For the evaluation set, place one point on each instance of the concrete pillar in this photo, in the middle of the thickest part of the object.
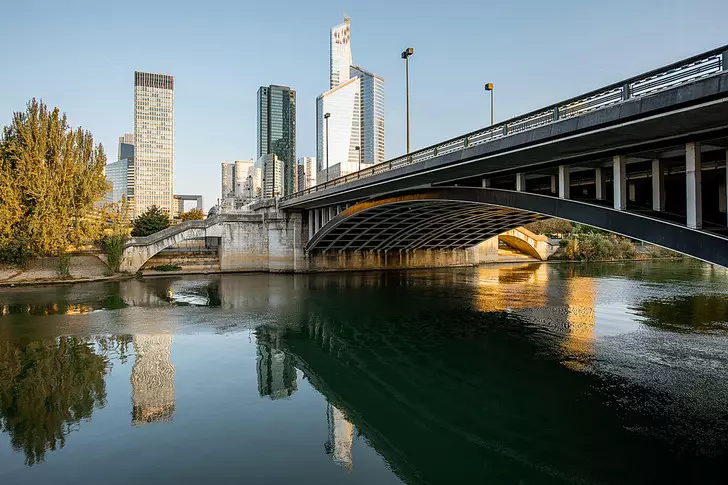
(564, 182)
(658, 185)
(332, 212)
(521, 182)
(311, 226)
(554, 188)
(693, 186)
(317, 219)
(600, 183)
(485, 183)
(619, 182)
(725, 58)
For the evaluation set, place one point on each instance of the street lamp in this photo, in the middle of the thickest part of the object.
(358, 149)
(406, 55)
(489, 87)
(326, 119)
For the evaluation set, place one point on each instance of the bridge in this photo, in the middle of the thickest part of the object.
(644, 157)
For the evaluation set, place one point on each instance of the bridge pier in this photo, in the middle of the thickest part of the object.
(693, 187)
(564, 182)
(658, 185)
(600, 184)
(619, 182)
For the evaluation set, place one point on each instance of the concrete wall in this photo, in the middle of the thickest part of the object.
(529, 243)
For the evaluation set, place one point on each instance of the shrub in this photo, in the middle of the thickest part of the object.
(64, 265)
(113, 246)
(167, 267)
(15, 252)
(192, 215)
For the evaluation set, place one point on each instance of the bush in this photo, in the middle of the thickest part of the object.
(550, 227)
(167, 267)
(113, 246)
(64, 265)
(151, 221)
(15, 252)
(592, 246)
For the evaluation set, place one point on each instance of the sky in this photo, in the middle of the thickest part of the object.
(81, 56)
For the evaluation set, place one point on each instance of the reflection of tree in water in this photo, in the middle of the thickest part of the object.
(687, 313)
(46, 389)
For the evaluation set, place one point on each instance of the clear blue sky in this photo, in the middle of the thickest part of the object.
(81, 56)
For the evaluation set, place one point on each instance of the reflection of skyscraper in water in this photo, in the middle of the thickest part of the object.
(276, 372)
(152, 379)
(341, 436)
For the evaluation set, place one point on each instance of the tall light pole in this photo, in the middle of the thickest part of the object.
(326, 119)
(489, 87)
(406, 55)
(358, 149)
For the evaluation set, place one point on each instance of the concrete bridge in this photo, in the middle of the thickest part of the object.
(645, 158)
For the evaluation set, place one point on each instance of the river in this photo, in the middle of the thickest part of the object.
(521, 373)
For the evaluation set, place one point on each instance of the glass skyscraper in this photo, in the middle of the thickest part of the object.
(355, 102)
(153, 142)
(277, 130)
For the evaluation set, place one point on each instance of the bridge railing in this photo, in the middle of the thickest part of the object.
(682, 72)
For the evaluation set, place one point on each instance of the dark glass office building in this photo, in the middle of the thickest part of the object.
(277, 130)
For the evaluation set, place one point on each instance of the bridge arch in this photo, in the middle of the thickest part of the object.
(461, 217)
(139, 250)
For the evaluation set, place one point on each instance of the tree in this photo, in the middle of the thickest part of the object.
(151, 221)
(51, 180)
(192, 215)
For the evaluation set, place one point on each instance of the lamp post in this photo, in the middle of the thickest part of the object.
(326, 119)
(358, 150)
(406, 55)
(489, 87)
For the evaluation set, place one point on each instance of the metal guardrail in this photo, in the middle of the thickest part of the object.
(682, 72)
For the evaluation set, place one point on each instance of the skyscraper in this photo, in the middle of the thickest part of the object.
(339, 154)
(126, 146)
(277, 130)
(306, 173)
(153, 142)
(372, 115)
(273, 177)
(340, 54)
(355, 102)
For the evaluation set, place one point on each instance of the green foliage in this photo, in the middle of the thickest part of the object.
(113, 246)
(167, 267)
(151, 221)
(550, 227)
(192, 215)
(596, 245)
(51, 179)
(64, 265)
(15, 251)
(47, 388)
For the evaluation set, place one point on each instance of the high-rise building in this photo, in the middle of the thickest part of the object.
(126, 146)
(277, 130)
(340, 54)
(355, 104)
(372, 115)
(241, 182)
(306, 173)
(120, 175)
(273, 175)
(153, 142)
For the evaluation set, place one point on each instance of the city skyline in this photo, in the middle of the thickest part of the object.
(212, 68)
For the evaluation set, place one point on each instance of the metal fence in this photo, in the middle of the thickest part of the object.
(682, 72)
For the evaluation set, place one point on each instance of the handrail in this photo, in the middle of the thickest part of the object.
(666, 77)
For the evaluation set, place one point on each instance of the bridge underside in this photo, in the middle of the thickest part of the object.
(461, 217)
(411, 223)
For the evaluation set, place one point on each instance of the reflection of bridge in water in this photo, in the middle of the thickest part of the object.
(445, 415)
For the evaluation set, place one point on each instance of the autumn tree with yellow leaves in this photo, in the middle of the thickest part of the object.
(51, 183)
